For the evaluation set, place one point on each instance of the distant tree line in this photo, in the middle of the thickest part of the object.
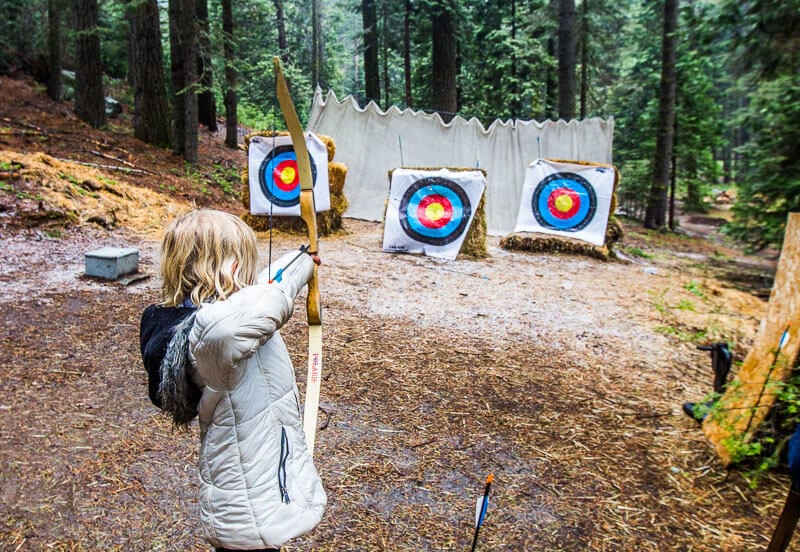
(704, 93)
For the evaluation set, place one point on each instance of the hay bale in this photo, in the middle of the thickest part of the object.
(544, 243)
(337, 172)
(475, 241)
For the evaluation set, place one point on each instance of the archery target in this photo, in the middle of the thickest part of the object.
(567, 199)
(434, 210)
(430, 212)
(564, 201)
(274, 177)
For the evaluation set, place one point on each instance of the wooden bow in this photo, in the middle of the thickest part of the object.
(308, 213)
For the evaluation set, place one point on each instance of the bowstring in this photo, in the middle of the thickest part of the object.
(271, 186)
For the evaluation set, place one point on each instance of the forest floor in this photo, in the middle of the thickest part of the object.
(562, 375)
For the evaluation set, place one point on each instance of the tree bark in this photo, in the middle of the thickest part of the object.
(585, 34)
(206, 103)
(372, 79)
(445, 59)
(316, 42)
(54, 53)
(655, 213)
(407, 51)
(183, 58)
(89, 99)
(151, 108)
(231, 99)
(551, 75)
(385, 51)
(280, 22)
(566, 59)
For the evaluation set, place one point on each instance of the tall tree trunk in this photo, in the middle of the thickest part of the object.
(280, 22)
(585, 34)
(385, 44)
(89, 99)
(54, 54)
(407, 51)
(151, 108)
(655, 214)
(206, 103)
(316, 42)
(566, 59)
(231, 100)
(183, 47)
(372, 79)
(550, 100)
(445, 60)
(516, 105)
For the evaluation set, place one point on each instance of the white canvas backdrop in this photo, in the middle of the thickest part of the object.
(369, 142)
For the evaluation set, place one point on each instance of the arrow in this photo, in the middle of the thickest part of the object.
(480, 509)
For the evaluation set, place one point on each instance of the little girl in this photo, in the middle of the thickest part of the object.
(212, 350)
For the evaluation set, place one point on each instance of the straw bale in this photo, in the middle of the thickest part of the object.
(337, 172)
(475, 241)
(328, 222)
(747, 401)
(57, 193)
(537, 243)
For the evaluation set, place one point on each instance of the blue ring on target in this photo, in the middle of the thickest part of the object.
(428, 190)
(550, 187)
(276, 194)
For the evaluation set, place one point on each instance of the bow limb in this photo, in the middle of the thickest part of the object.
(309, 215)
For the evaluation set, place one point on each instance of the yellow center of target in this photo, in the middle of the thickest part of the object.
(434, 211)
(564, 203)
(288, 175)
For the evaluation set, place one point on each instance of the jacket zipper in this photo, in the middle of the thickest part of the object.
(282, 466)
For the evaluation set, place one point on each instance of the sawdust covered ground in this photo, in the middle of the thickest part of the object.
(561, 375)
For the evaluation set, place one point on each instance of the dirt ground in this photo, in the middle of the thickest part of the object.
(562, 375)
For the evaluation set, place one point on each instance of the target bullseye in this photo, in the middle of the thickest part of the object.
(434, 210)
(279, 177)
(564, 201)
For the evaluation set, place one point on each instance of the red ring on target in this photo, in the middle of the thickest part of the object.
(563, 203)
(435, 211)
(286, 175)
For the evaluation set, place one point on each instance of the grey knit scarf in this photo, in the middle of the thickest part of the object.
(179, 394)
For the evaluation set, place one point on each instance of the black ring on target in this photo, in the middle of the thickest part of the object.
(277, 194)
(564, 201)
(445, 199)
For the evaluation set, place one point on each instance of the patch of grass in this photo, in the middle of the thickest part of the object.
(107, 181)
(6, 187)
(696, 289)
(637, 252)
(659, 303)
(220, 176)
(685, 305)
(697, 336)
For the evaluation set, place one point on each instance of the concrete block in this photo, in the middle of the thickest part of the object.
(112, 262)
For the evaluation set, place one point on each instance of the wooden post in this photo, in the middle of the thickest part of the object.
(746, 402)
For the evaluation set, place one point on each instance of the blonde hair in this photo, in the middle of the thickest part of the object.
(206, 255)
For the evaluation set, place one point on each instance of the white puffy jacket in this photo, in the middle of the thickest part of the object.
(258, 485)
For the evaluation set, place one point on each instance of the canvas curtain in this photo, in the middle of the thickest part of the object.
(371, 142)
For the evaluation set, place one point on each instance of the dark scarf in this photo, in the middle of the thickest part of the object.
(164, 341)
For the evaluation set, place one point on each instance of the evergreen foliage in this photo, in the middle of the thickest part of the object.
(738, 107)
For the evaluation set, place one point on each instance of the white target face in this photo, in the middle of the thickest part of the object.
(274, 178)
(567, 199)
(430, 212)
